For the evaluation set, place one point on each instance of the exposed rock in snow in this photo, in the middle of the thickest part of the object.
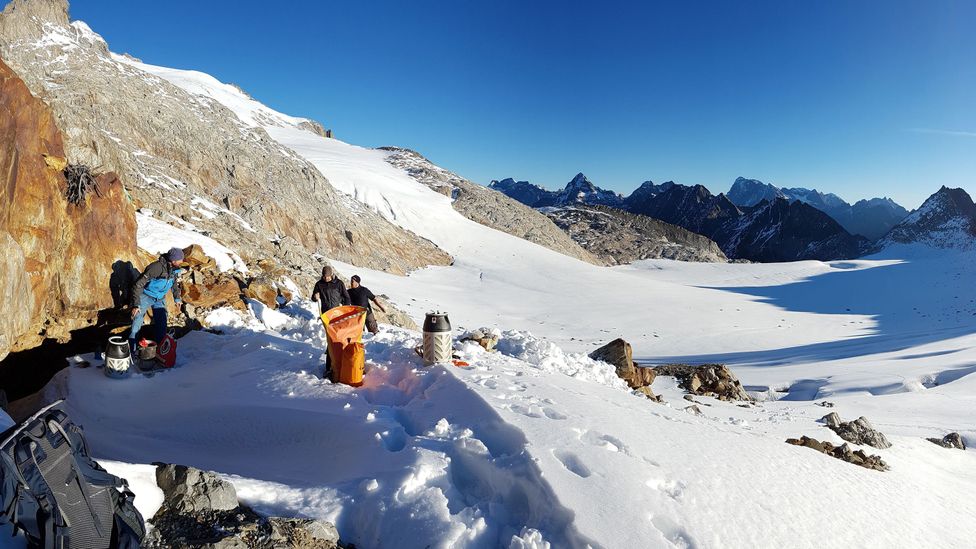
(619, 354)
(859, 431)
(485, 337)
(952, 440)
(714, 380)
(620, 237)
(201, 510)
(188, 490)
(842, 452)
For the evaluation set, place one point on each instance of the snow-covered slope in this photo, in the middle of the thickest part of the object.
(534, 445)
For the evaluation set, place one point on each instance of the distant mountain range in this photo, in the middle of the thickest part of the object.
(871, 218)
(772, 229)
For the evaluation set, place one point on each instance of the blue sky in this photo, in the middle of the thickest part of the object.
(863, 99)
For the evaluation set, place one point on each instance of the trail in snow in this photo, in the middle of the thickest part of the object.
(529, 443)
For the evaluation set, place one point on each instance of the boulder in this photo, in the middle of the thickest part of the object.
(205, 297)
(619, 354)
(263, 290)
(200, 510)
(714, 380)
(57, 262)
(186, 489)
(831, 420)
(196, 259)
(859, 431)
(952, 440)
(842, 452)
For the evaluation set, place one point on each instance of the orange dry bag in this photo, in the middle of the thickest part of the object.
(353, 364)
(344, 329)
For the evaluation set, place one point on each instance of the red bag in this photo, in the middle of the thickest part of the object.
(166, 352)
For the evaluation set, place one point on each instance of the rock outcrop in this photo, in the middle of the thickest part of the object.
(842, 452)
(487, 206)
(859, 431)
(714, 380)
(201, 510)
(619, 354)
(56, 269)
(618, 237)
(198, 164)
(947, 219)
(952, 440)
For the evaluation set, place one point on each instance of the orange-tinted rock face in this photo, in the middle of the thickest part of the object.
(56, 259)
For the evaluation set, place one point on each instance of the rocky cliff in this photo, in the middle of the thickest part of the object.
(487, 206)
(620, 237)
(59, 259)
(947, 219)
(191, 159)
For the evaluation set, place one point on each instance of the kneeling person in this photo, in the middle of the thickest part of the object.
(361, 296)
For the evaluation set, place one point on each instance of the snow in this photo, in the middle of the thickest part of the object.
(156, 236)
(537, 445)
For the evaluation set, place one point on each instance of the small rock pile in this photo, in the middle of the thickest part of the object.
(842, 452)
(619, 354)
(485, 337)
(200, 510)
(714, 380)
(952, 440)
(205, 288)
(859, 431)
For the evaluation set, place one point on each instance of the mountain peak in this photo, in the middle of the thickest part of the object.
(579, 180)
(947, 219)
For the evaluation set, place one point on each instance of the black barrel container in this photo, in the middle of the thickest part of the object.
(117, 357)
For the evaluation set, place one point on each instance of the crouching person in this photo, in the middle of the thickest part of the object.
(149, 292)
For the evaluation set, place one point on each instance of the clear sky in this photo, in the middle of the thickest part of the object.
(866, 98)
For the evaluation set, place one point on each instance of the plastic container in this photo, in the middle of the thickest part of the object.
(438, 339)
(118, 357)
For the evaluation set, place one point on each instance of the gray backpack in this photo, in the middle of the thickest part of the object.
(57, 495)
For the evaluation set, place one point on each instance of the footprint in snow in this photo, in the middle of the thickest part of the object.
(572, 463)
(675, 489)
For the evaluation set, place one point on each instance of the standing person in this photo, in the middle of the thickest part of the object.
(149, 292)
(361, 296)
(330, 291)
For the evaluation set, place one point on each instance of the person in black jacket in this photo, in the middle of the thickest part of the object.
(361, 296)
(149, 292)
(330, 291)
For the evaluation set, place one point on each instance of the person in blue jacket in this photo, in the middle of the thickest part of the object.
(150, 291)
